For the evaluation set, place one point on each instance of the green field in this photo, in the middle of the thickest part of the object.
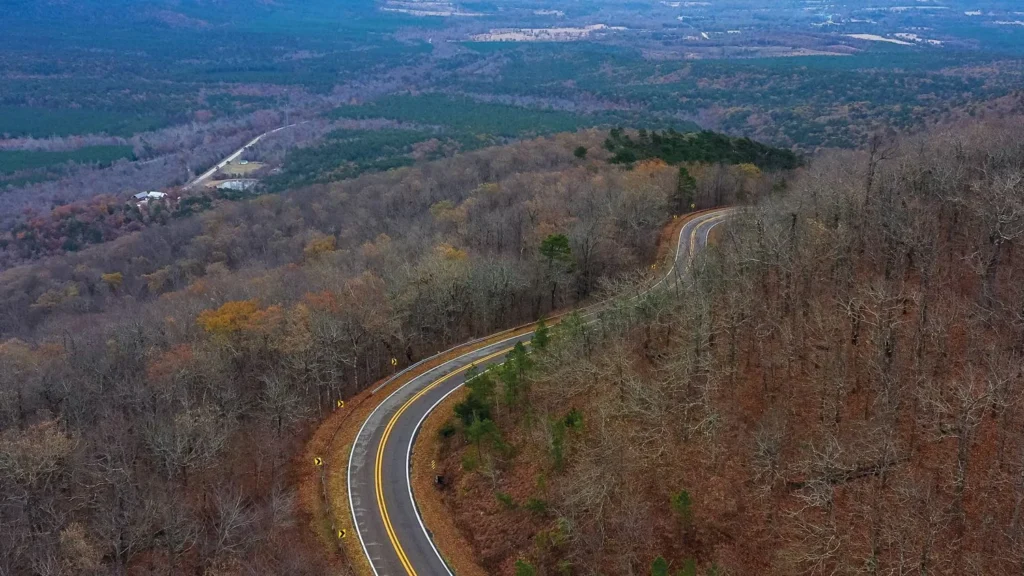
(12, 161)
(16, 121)
(346, 154)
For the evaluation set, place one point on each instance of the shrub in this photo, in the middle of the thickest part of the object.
(536, 505)
(524, 568)
(574, 420)
(682, 504)
(506, 499)
(448, 430)
(659, 567)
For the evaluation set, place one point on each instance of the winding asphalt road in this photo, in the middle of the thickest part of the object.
(384, 511)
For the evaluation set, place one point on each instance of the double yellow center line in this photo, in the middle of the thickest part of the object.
(378, 471)
(697, 228)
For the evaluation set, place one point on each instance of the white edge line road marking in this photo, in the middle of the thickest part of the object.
(718, 219)
(351, 505)
(351, 453)
(416, 430)
(408, 472)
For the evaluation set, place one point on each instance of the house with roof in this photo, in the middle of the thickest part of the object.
(144, 197)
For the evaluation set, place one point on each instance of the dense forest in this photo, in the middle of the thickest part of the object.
(154, 388)
(836, 390)
(704, 146)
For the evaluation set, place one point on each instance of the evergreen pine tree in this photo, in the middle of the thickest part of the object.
(685, 193)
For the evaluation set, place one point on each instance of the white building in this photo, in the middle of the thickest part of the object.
(237, 185)
(146, 196)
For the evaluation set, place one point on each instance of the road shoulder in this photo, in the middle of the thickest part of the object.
(427, 464)
(323, 490)
(436, 514)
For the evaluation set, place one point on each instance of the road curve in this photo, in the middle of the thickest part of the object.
(384, 511)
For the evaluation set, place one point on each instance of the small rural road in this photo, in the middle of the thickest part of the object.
(384, 511)
(234, 156)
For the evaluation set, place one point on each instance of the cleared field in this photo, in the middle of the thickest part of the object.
(877, 38)
(239, 169)
(15, 160)
(541, 34)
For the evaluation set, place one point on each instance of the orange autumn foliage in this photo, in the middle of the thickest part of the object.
(319, 246)
(652, 166)
(325, 301)
(239, 316)
(229, 318)
(169, 362)
(449, 252)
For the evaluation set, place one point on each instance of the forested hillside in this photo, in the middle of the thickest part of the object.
(154, 389)
(837, 390)
(221, 220)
